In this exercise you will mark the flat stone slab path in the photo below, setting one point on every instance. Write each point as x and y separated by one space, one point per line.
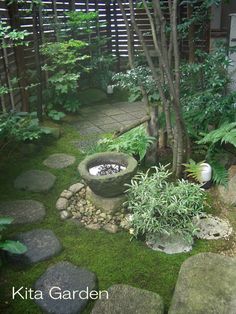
64 276
23 211
124 299
35 181
41 244
59 161
99 119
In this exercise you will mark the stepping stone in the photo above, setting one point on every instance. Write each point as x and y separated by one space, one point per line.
23 211
62 277
41 244
59 161
206 284
212 228
169 244
35 181
124 299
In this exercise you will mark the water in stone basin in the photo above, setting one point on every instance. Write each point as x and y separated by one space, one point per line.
106 169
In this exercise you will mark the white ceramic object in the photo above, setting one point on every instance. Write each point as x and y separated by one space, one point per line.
206 172
110 89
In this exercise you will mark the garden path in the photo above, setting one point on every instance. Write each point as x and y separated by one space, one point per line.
95 120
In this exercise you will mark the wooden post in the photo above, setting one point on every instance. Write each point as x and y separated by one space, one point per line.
55 18
37 42
19 56
72 5
108 21
117 36
191 33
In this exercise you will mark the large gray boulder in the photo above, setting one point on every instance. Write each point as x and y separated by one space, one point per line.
60 286
124 299
206 285
23 211
228 194
35 181
41 244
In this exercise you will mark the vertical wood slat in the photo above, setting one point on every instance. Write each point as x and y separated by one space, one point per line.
19 57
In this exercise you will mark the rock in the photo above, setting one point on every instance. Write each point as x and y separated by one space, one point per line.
23 211
41 244
103 215
54 132
124 299
65 215
93 226
62 203
110 228
212 228
66 194
61 277
228 194
74 188
35 181
109 205
206 284
59 161
170 244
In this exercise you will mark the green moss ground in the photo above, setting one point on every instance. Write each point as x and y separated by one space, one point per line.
111 256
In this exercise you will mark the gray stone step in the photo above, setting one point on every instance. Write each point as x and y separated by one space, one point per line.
59 279
59 161
124 299
23 211
206 284
41 244
35 181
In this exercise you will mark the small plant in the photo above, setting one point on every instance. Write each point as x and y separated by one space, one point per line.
161 207
193 169
134 142
20 127
56 115
11 246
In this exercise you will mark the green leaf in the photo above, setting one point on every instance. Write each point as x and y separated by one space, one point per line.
13 247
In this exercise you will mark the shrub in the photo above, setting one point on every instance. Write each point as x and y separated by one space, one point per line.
162 207
134 142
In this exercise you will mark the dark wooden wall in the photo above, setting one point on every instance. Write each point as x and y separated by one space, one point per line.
22 59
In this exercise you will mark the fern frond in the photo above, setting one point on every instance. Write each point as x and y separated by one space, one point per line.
219 174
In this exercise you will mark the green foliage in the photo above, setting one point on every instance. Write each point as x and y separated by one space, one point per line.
20 127
65 64
134 142
226 133
219 173
11 246
162 207
56 115
193 169
100 63
133 79
203 92
10 37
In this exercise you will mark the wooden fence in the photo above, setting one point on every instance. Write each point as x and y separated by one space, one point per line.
40 25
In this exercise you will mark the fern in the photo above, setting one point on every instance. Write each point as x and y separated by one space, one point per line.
219 174
226 133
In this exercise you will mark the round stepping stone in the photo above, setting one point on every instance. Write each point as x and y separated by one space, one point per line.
59 161
35 181
58 280
125 299
212 228
41 245
23 211
169 244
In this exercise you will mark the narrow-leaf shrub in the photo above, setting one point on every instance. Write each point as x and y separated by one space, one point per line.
162 207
